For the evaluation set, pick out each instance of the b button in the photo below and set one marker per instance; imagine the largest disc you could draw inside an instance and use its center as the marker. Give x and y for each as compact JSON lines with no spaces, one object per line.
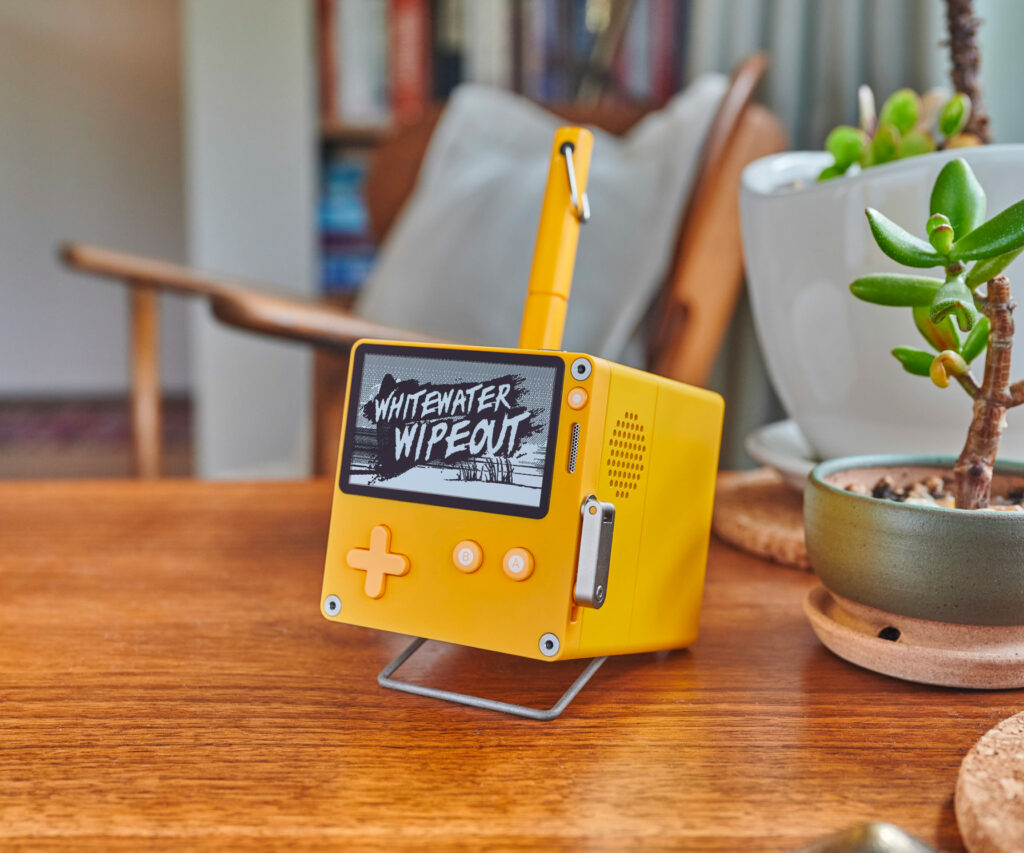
{"x":467,"y":556}
{"x":518,"y":564}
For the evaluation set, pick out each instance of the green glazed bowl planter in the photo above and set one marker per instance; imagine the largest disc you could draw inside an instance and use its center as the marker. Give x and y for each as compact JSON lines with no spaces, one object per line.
{"x":923,"y":593}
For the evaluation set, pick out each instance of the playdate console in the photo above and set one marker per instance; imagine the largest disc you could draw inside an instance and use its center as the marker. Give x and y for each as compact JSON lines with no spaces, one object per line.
{"x":541,"y":503}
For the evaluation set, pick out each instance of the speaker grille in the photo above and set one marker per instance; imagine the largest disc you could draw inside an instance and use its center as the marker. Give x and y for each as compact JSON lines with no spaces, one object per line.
{"x":574,"y":447}
{"x":627,"y":455}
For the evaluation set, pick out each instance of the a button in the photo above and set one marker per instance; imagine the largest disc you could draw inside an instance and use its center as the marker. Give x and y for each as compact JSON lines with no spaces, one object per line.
{"x":377,"y":561}
{"x":467,"y":556}
{"x":518,"y":564}
{"x":577,"y":398}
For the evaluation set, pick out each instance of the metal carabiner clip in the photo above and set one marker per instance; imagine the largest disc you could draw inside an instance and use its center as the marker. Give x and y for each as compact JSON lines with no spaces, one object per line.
{"x":581,"y":206}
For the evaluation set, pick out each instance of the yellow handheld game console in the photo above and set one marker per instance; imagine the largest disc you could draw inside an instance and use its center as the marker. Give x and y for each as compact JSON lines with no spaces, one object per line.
{"x":541,"y":503}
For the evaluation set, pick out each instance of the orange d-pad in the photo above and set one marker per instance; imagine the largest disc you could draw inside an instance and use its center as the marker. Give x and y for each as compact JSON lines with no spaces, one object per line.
{"x":377,"y":561}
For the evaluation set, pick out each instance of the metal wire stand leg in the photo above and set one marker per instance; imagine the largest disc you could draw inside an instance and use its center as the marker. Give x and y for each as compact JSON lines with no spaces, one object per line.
{"x":542,"y":714}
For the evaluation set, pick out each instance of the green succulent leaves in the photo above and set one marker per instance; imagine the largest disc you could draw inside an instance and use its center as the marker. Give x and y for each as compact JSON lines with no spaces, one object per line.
{"x":846,"y":144}
{"x":954,"y":357}
{"x":938,"y":367}
{"x":977,"y":341}
{"x":899,"y":244}
{"x":989,"y":268}
{"x":956,"y":232}
{"x":914,"y":143}
{"x":945,"y":311}
{"x":1003,"y":233}
{"x":954,"y":299}
{"x":885,"y":147}
{"x":941,"y":334}
{"x":907,"y":125}
{"x":940,"y":233}
{"x":914,"y":361}
{"x":896,"y":289}
{"x":958,"y":195}
{"x":900,"y":111}
{"x":953,"y":117}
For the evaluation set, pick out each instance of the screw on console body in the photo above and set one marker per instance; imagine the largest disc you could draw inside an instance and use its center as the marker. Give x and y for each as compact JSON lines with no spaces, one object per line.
{"x":549,"y":645}
{"x":581,"y":368}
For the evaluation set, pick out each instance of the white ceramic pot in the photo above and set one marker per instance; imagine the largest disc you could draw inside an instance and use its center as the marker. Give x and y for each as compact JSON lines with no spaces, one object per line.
{"x":828,"y":353}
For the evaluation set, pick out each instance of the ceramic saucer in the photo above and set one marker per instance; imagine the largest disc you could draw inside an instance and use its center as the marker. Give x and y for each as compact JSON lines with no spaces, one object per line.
{"x":981,"y":657}
{"x":783,"y":447}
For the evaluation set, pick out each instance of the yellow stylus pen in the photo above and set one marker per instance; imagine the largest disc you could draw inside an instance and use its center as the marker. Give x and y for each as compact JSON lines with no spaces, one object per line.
{"x":565,"y":208}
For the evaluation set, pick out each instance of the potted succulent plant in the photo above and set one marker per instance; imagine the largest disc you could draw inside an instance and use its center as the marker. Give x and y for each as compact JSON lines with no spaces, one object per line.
{"x":908,"y":125}
{"x":922,"y":557}
{"x":804,"y":241}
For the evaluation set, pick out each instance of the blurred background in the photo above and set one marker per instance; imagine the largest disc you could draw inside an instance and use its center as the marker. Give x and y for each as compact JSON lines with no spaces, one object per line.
{"x":235,"y":136}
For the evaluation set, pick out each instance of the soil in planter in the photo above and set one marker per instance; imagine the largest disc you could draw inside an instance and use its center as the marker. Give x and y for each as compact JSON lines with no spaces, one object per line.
{"x":923,"y":487}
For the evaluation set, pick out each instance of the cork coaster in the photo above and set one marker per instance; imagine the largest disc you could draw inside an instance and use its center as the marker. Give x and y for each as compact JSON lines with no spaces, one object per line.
{"x":980,"y":657}
{"x":990,"y":790}
{"x":758,"y":513}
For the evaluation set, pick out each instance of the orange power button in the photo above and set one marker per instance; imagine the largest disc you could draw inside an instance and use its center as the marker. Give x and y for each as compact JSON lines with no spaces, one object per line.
{"x":577,"y":398}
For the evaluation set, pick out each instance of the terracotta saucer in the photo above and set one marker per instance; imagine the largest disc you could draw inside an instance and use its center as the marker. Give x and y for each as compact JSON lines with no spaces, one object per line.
{"x":980,"y":657}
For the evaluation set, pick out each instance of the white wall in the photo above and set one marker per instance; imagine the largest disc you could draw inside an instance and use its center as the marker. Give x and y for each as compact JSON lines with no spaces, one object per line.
{"x":250,"y":177}
{"x":90,"y":149}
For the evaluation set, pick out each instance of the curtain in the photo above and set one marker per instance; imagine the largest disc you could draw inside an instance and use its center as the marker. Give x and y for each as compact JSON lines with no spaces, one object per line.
{"x":820,"y":51}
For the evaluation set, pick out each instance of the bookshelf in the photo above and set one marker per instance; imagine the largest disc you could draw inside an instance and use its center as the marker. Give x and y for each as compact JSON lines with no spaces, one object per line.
{"x":384,"y":62}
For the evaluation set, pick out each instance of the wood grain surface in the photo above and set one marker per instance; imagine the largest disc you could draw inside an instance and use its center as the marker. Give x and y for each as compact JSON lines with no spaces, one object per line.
{"x":166,"y":681}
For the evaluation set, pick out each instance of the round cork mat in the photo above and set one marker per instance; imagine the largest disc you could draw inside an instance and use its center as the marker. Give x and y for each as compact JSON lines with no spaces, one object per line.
{"x":990,"y":791}
{"x":758,"y":513}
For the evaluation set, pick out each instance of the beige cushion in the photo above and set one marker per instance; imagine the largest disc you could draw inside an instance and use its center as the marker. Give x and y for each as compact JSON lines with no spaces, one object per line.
{"x":458,"y":259}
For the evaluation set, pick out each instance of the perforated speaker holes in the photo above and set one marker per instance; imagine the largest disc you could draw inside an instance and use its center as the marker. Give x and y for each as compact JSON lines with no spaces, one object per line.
{"x":627,"y":454}
{"x":574,"y":446}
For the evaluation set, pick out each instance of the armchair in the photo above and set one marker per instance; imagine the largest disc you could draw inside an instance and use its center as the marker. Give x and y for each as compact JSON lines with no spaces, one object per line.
{"x":691,"y":317}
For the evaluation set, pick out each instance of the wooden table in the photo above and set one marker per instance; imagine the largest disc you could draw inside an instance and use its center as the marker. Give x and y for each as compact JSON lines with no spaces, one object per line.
{"x":165,"y":679}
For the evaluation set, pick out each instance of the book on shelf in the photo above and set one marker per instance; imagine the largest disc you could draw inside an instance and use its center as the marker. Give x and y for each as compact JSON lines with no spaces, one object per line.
{"x":487,"y":42}
{"x":386,"y":60}
{"x":357,"y":54}
{"x":446,"y":46}
{"x":408,"y":57}
{"x":347,"y":249}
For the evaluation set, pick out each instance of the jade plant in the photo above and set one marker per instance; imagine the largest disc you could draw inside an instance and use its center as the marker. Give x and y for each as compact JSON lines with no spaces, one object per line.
{"x":907,"y":125}
{"x":958,"y":321}
{"x":910,"y":124}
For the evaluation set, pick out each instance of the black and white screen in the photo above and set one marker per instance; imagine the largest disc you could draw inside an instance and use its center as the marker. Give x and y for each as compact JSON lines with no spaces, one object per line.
{"x":458,"y":428}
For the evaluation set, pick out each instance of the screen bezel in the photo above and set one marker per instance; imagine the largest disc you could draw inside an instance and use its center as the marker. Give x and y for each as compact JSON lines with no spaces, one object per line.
{"x":497,"y":357}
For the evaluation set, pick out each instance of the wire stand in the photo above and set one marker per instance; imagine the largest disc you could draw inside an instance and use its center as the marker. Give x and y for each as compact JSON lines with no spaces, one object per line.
{"x":542,"y":714}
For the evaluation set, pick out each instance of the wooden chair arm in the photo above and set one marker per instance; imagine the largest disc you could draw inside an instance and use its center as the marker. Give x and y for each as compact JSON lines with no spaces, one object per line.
{"x":237,"y":304}
{"x":139,"y":271}
{"x":316,"y":323}
{"x":245,"y":306}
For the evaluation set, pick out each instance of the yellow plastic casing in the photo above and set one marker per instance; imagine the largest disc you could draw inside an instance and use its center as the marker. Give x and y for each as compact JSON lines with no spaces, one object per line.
{"x":646,"y":444}
{"x":554,"y":253}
